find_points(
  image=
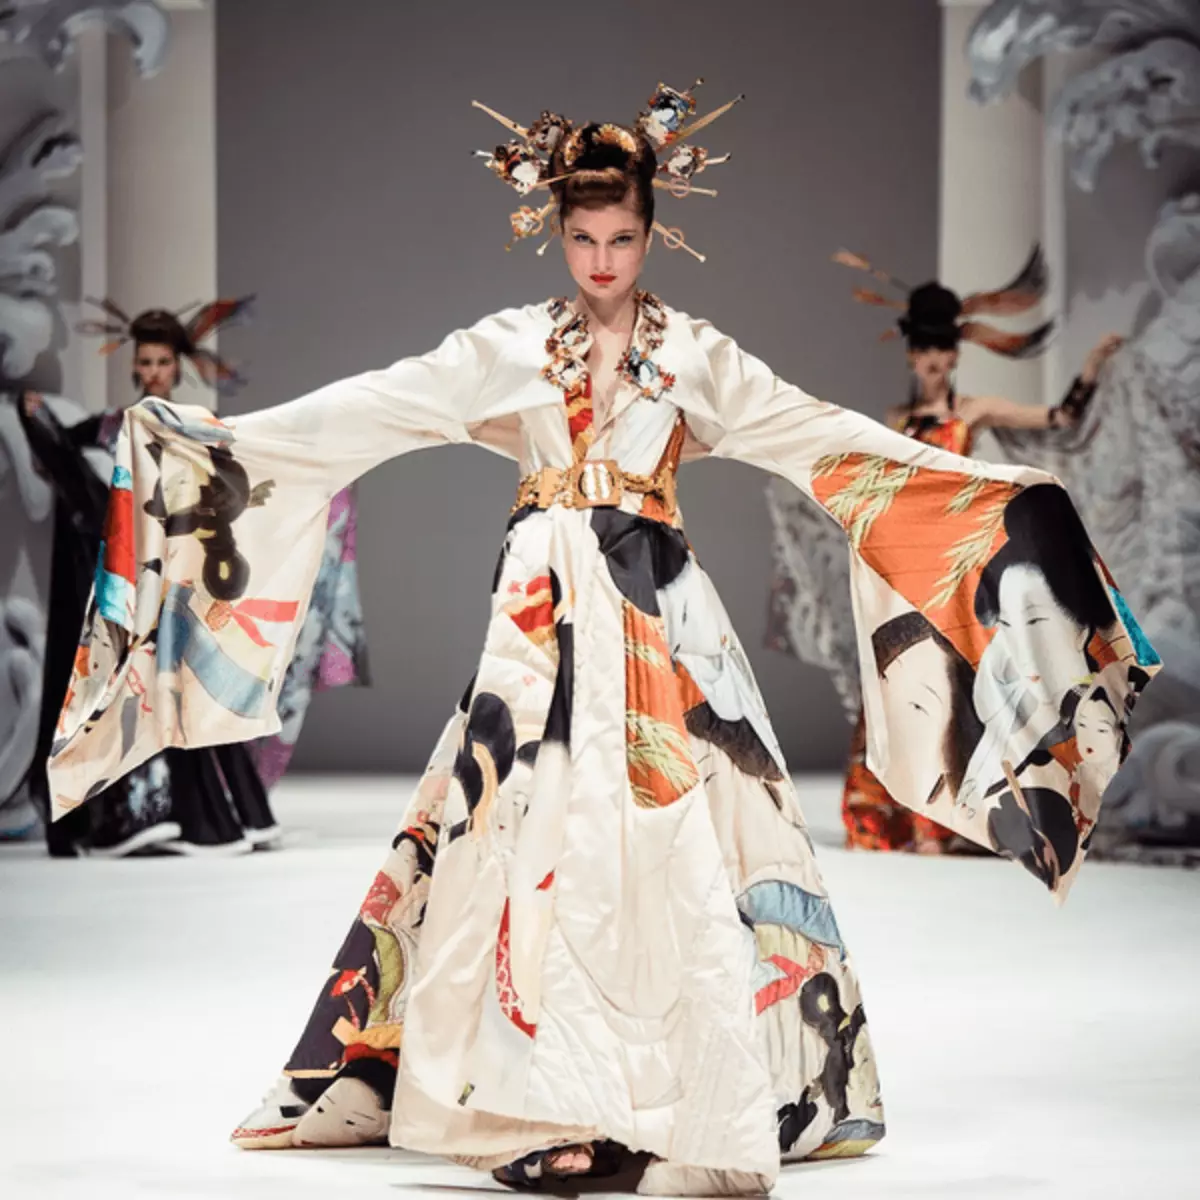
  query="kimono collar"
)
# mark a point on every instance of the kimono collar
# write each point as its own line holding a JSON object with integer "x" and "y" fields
{"x": 570, "y": 341}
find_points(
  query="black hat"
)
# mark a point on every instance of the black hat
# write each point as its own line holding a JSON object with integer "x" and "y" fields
{"x": 933, "y": 315}
{"x": 931, "y": 321}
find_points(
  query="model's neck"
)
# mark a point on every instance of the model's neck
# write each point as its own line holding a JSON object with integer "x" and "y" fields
{"x": 935, "y": 395}
{"x": 616, "y": 313}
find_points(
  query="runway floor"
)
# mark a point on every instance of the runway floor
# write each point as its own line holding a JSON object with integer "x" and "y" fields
{"x": 1025, "y": 1051}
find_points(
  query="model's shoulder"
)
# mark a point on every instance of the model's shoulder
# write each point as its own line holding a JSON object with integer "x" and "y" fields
{"x": 507, "y": 328}
{"x": 519, "y": 315}
{"x": 691, "y": 330}
{"x": 676, "y": 316}
{"x": 977, "y": 410}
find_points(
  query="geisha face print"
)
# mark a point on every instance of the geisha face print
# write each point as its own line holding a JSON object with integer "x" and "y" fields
{"x": 1044, "y": 642}
{"x": 926, "y": 690}
{"x": 916, "y": 701}
{"x": 1042, "y": 595}
{"x": 1098, "y": 732}
{"x": 605, "y": 249}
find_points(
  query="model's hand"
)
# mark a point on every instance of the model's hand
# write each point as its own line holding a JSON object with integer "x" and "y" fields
{"x": 1102, "y": 351}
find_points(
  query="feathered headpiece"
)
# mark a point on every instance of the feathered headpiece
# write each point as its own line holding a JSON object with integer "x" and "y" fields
{"x": 935, "y": 317}
{"x": 159, "y": 325}
{"x": 666, "y": 123}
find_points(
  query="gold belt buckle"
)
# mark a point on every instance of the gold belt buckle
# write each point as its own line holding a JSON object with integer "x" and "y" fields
{"x": 596, "y": 483}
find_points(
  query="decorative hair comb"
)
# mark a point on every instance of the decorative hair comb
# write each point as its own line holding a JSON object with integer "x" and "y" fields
{"x": 525, "y": 163}
{"x": 118, "y": 328}
{"x": 1018, "y": 296}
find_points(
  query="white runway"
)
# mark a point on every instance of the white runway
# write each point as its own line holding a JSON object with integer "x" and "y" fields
{"x": 1025, "y": 1051}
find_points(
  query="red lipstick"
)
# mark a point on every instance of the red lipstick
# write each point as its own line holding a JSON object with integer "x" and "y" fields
{"x": 603, "y": 278}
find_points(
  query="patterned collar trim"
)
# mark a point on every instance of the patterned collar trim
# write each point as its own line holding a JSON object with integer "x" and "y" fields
{"x": 570, "y": 341}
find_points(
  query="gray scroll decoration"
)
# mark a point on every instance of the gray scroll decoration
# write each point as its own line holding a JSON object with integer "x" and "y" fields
{"x": 48, "y": 28}
{"x": 1147, "y": 91}
{"x": 33, "y": 227}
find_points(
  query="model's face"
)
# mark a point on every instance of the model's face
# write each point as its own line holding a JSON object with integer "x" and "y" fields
{"x": 934, "y": 369}
{"x": 1097, "y": 734}
{"x": 1043, "y": 640}
{"x": 605, "y": 249}
{"x": 917, "y": 705}
{"x": 156, "y": 368}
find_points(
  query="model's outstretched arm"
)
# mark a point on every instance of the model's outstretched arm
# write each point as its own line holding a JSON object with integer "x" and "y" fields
{"x": 960, "y": 570}
{"x": 212, "y": 542}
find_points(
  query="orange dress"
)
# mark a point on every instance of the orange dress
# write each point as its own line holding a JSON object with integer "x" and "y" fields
{"x": 873, "y": 820}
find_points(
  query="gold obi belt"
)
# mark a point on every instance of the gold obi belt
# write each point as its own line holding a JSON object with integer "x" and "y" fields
{"x": 598, "y": 483}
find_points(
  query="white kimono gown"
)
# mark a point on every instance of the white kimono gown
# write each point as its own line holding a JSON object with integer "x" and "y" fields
{"x": 601, "y": 916}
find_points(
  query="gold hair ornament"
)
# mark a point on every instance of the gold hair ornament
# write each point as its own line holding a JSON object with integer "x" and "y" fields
{"x": 668, "y": 120}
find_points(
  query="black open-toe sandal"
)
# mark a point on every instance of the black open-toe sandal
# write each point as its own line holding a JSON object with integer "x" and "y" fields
{"x": 534, "y": 1169}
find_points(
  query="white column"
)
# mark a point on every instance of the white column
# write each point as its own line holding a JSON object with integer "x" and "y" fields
{"x": 90, "y": 379}
{"x": 1056, "y": 369}
{"x": 162, "y": 198}
{"x": 992, "y": 180}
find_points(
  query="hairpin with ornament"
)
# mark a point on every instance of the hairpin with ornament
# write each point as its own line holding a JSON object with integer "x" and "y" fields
{"x": 935, "y": 313}
{"x": 667, "y": 122}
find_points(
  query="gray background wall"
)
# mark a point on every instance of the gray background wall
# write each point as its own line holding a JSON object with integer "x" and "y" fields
{"x": 348, "y": 202}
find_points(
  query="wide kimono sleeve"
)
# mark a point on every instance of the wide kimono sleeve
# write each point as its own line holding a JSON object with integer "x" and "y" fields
{"x": 213, "y": 539}
{"x": 999, "y": 663}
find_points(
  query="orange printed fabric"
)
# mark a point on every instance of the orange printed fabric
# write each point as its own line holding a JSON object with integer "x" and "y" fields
{"x": 657, "y": 749}
{"x": 1000, "y": 662}
{"x": 928, "y": 533}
